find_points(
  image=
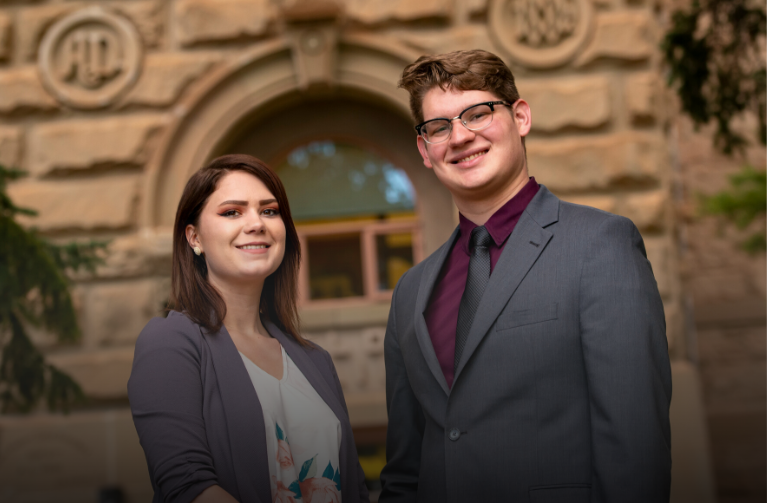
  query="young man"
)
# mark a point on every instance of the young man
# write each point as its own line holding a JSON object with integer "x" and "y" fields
{"x": 526, "y": 359}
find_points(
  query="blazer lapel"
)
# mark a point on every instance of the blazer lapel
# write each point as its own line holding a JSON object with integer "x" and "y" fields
{"x": 244, "y": 419}
{"x": 430, "y": 275}
{"x": 308, "y": 368}
{"x": 522, "y": 249}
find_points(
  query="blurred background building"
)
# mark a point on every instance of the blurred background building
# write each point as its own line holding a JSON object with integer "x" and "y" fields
{"x": 111, "y": 105}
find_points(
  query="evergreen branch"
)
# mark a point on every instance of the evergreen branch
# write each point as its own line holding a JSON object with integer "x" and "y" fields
{"x": 22, "y": 371}
{"x": 63, "y": 391}
{"x": 35, "y": 290}
{"x": 715, "y": 59}
{"x": 7, "y": 208}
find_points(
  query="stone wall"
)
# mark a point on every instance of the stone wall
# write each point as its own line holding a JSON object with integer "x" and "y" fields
{"x": 725, "y": 293}
{"x": 93, "y": 133}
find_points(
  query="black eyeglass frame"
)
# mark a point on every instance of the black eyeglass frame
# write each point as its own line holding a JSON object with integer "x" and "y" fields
{"x": 491, "y": 104}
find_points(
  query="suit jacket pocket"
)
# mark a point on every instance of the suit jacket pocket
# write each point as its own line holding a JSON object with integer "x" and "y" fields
{"x": 561, "y": 493}
{"x": 521, "y": 317}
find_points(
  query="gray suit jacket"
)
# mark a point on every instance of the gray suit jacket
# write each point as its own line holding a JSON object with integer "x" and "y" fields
{"x": 199, "y": 419}
{"x": 563, "y": 389}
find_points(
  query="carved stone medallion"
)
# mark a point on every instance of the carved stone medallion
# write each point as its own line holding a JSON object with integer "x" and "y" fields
{"x": 540, "y": 33}
{"x": 89, "y": 57}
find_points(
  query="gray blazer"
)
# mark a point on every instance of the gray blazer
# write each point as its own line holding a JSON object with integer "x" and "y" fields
{"x": 199, "y": 419}
{"x": 563, "y": 389}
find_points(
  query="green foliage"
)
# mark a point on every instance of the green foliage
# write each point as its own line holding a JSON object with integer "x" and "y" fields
{"x": 742, "y": 204}
{"x": 714, "y": 52}
{"x": 34, "y": 291}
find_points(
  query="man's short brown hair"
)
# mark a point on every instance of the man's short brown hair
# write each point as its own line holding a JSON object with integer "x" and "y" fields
{"x": 474, "y": 70}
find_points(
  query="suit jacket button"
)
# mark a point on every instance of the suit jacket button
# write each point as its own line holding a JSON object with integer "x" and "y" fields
{"x": 454, "y": 434}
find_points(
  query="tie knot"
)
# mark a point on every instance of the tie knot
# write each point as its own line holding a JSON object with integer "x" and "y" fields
{"x": 479, "y": 237}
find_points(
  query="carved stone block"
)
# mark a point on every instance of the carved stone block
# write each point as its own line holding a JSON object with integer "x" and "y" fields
{"x": 625, "y": 35}
{"x": 597, "y": 163}
{"x": 378, "y": 11}
{"x": 113, "y": 314}
{"x": 90, "y": 57}
{"x": 577, "y": 101}
{"x": 642, "y": 96}
{"x": 10, "y": 146}
{"x": 82, "y": 144}
{"x": 314, "y": 53}
{"x": 646, "y": 209}
{"x": 540, "y": 33}
{"x": 100, "y": 203}
{"x": 20, "y": 90}
{"x": 166, "y": 75}
{"x": 601, "y": 202}
{"x": 212, "y": 20}
{"x": 142, "y": 254}
{"x": 147, "y": 16}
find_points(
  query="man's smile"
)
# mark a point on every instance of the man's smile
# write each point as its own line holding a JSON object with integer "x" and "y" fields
{"x": 470, "y": 156}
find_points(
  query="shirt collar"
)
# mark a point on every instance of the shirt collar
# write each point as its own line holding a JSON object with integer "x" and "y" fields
{"x": 503, "y": 220}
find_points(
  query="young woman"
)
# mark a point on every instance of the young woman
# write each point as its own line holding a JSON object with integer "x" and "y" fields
{"x": 229, "y": 401}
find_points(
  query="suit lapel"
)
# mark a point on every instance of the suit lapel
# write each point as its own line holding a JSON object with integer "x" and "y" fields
{"x": 522, "y": 250}
{"x": 430, "y": 275}
{"x": 308, "y": 368}
{"x": 244, "y": 419}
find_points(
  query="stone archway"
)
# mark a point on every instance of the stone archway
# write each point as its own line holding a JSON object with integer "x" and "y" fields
{"x": 232, "y": 94}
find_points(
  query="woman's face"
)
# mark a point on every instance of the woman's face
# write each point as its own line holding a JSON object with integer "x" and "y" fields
{"x": 240, "y": 231}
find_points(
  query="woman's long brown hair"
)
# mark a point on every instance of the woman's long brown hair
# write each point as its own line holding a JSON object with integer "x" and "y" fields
{"x": 191, "y": 292}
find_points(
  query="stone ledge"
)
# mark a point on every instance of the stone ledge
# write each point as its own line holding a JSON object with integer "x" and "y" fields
{"x": 85, "y": 143}
{"x": 576, "y": 101}
{"x": 436, "y": 41}
{"x": 352, "y": 316}
{"x": 216, "y": 20}
{"x": 102, "y": 373}
{"x": 21, "y": 89}
{"x": 625, "y": 35}
{"x": 597, "y": 163}
{"x": 378, "y": 11}
{"x": 10, "y": 146}
{"x": 97, "y": 203}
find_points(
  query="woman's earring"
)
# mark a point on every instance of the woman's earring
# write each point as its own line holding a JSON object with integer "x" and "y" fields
{"x": 197, "y": 250}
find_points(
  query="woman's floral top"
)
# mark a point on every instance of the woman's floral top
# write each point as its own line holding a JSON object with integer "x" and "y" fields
{"x": 303, "y": 436}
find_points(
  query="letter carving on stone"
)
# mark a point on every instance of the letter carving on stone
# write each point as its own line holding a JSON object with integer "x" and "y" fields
{"x": 540, "y": 33}
{"x": 87, "y": 59}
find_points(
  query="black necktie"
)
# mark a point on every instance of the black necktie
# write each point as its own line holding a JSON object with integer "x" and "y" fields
{"x": 476, "y": 281}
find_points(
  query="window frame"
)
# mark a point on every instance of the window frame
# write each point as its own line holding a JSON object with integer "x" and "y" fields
{"x": 368, "y": 232}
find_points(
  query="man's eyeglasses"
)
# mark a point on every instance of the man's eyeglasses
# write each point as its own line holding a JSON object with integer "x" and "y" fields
{"x": 474, "y": 118}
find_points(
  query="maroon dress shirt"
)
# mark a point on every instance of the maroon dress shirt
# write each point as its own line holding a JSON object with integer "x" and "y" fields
{"x": 442, "y": 312}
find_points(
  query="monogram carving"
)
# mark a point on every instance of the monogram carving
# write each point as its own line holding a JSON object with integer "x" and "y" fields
{"x": 540, "y": 33}
{"x": 89, "y": 58}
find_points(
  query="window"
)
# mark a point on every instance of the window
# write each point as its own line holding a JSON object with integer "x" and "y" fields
{"x": 355, "y": 214}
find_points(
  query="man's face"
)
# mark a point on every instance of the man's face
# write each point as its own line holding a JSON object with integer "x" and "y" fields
{"x": 482, "y": 164}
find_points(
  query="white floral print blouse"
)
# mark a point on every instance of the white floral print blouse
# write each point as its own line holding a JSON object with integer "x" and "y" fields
{"x": 303, "y": 436}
